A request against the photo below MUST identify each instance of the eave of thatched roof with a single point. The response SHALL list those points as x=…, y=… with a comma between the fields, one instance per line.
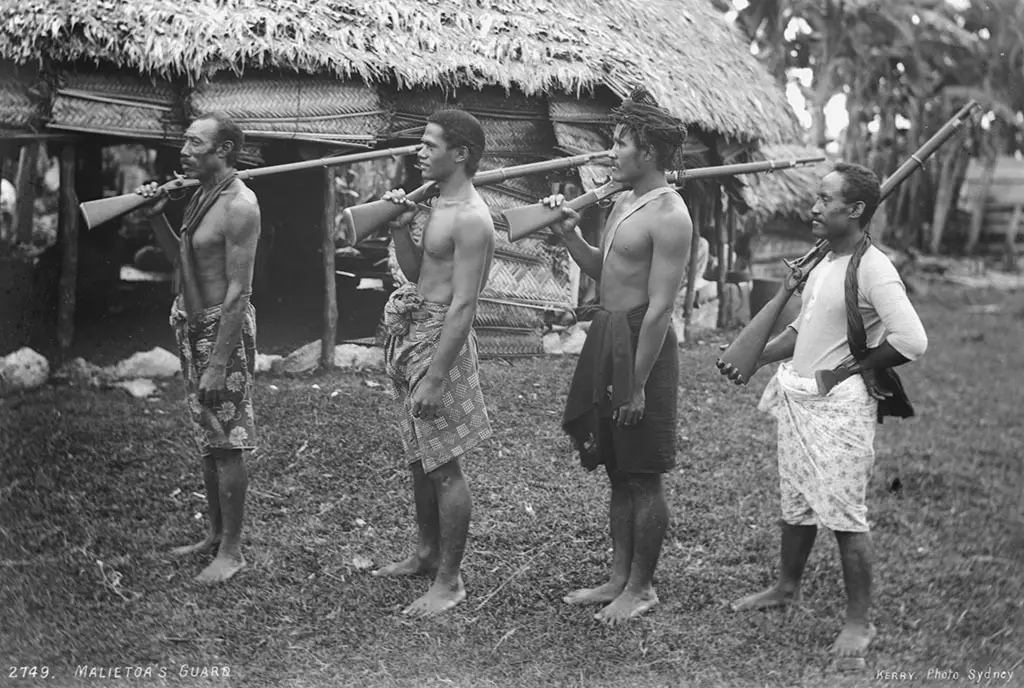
x=785, y=193
x=692, y=59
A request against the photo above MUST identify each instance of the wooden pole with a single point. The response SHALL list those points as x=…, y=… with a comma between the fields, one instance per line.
x=731, y=219
x=26, y=189
x=1010, y=259
x=722, y=234
x=330, y=288
x=69, y=248
x=691, y=274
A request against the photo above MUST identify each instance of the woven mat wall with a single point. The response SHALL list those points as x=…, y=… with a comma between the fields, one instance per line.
x=297, y=107
x=527, y=277
x=18, y=111
x=117, y=104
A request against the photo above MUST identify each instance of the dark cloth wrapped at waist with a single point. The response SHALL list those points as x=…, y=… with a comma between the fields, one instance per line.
x=608, y=360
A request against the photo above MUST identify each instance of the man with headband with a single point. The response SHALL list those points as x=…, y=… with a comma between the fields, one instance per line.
x=430, y=352
x=215, y=325
x=621, y=409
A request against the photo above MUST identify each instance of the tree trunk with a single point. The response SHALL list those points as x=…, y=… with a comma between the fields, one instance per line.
x=817, y=98
x=330, y=288
x=943, y=200
x=981, y=202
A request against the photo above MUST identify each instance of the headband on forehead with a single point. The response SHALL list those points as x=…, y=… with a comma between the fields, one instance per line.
x=641, y=113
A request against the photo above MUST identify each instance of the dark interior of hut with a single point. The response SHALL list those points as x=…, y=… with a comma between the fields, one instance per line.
x=124, y=281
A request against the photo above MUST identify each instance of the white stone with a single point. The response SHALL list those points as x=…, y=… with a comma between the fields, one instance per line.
x=22, y=370
x=553, y=344
x=572, y=343
x=264, y=362
x=358, y=357
x=139, y=388
x=155, y=363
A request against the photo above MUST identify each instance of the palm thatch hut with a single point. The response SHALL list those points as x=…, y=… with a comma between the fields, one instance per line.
x=306, y=78
x=778, y=224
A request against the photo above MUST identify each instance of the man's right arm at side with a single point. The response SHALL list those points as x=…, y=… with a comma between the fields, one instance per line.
x=407, y=251
x=165, y=236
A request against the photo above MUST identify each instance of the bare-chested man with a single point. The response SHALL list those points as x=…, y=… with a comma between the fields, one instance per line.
x=431, y=352
x=215, y=325
x=621, y=410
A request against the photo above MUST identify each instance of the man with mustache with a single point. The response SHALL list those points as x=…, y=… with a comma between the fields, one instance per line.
x=215, y=325
x=826, y=450
x=430, y=352
x=621, y=410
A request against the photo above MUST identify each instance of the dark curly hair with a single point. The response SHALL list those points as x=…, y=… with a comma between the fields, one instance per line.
x=462, y=129
x=652, y=126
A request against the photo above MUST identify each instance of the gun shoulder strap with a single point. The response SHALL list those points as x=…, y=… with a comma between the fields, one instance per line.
x=897, y=404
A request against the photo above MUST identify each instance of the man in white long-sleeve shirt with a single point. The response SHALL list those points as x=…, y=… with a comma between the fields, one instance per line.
x=826, y=450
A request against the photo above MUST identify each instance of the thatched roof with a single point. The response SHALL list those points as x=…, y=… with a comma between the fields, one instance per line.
x=786, y=193
x=694, y=61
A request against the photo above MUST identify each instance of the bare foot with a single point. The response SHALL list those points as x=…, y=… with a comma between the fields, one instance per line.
x=413, y=565
x=767, y=599
x=440, y=598
x=221, y=569
x=602, y=594
x=627, y=606
x=210, y=544
x=854, y=639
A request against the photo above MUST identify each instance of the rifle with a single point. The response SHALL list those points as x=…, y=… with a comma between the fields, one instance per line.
x=364, y=218
x=525, y=220
x=104, y=209
x=746, y=349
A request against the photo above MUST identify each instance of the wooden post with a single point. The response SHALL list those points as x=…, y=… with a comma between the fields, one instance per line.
x=722, y=234
x=1010, y=259
x=68, y=228
x=330, y=288
x=731, y=219
x=691, y=274
x=26, y=190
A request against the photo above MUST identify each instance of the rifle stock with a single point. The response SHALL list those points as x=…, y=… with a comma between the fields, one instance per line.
x=105, y=209
x=363, y=219
x=525, y=220
x=742, y=354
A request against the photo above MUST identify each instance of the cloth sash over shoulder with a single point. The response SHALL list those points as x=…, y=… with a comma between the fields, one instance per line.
x=898, y=403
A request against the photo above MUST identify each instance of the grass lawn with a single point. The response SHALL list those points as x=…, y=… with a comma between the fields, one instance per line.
x=97, y=486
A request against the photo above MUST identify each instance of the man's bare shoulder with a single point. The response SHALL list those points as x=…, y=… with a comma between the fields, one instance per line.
x=243, y=210
x=475, y=218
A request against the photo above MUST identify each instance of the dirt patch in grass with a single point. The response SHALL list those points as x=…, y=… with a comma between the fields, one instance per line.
x=98, y=486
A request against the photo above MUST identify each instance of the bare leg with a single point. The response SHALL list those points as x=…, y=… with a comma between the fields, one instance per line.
x=213, y=512
x=650, y=522
x=233, y=481
x=797, y=543
x=424, y=559
x=454, y=507
x=856, y=554
x=620, y=517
